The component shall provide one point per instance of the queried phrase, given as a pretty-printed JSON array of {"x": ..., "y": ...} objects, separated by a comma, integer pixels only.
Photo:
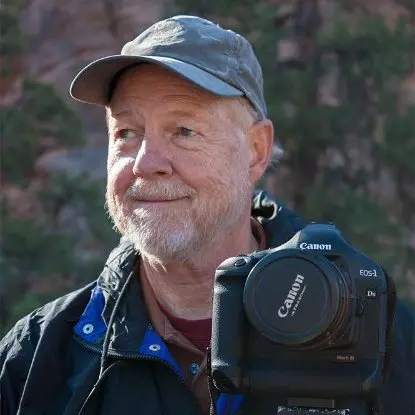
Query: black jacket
[{"x": 50, "y": 361}]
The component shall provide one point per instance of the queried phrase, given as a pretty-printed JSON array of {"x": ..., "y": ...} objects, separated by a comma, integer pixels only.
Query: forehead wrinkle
[
  {"x": 173, "y": 104},
  {"x": 193, "y": 96},
  {"x": 183, "y": 104},
  {"x": 118, "y": 104}
]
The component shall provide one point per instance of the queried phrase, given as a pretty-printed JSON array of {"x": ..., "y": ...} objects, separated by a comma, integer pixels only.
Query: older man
[{"x": 188, "y": 139}]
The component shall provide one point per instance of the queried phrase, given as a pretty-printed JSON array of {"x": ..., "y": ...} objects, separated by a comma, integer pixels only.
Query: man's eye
[
  {"x": 185, "y": 132},
  {"x": 126, "y": 134}
]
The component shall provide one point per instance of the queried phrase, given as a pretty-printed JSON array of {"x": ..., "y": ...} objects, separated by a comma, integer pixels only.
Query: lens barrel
[{"x": 298, "y": 299}]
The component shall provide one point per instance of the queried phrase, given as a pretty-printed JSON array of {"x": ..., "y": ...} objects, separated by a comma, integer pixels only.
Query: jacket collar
[{"x": 131, "y": 323}]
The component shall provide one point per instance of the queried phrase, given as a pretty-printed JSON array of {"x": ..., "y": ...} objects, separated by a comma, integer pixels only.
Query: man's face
[{"x": 178, "y": 163}]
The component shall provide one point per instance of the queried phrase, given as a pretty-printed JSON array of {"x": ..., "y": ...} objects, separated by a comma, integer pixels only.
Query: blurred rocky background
[{"x": 340, "y": 85}]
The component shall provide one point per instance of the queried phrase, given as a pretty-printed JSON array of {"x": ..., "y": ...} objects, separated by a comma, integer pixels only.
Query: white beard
[
  {"x": 177, "y": 236},
  {"x": 154, "y": 234}
]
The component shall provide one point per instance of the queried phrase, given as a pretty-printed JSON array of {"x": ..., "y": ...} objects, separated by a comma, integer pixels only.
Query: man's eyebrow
[{"x": 121, "y": 111}]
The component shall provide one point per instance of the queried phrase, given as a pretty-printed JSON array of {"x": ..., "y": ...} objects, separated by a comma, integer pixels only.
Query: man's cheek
[{"x": 120, "y": 174}]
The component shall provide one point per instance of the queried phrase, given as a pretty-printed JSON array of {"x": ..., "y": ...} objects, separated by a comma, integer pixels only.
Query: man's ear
[{"x": 261, "y": 140}]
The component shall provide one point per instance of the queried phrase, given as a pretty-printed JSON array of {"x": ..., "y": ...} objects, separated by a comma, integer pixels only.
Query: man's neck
[{"x": 185, "y": 289}]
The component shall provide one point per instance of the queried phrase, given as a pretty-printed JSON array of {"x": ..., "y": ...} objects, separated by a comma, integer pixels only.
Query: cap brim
[{"x": 92, "y": 83}]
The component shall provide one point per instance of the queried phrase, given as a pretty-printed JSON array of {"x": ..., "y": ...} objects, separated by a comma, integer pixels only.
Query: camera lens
[{"x": 298, "y": 299}]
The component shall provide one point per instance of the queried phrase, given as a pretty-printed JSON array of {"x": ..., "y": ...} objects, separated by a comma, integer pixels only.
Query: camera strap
[
  {"x": 213, "y": 392},
  {"x": 377, "y": 408},
  {"x": 390, "y": 333}
]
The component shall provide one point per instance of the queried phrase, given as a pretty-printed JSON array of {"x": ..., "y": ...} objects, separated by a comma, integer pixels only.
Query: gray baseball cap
[{"x": 218, "y": 60}]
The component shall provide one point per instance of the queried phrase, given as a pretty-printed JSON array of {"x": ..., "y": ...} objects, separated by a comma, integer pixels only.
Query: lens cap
[{"x": 291, "y": 297}]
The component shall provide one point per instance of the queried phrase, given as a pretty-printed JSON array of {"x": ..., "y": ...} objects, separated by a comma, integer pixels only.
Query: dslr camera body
[{"x": 301, "y": 328}]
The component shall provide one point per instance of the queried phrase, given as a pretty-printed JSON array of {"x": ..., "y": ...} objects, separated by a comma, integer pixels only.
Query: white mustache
[{"x": 141, "y": 189}]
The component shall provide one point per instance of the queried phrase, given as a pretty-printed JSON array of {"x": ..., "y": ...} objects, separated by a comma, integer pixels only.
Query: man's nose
[{"x": 152, "y": 160}]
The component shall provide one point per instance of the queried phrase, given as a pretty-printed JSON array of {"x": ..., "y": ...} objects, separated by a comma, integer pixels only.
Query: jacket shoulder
[
  {"x": 280, "y": 224},
  {"x": 18, "y": 347}
]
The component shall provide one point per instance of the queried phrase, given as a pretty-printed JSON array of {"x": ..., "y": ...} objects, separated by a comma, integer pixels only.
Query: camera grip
[{"x": 228, "y": 323}]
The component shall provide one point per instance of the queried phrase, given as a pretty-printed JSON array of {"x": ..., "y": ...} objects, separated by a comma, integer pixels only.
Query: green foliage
[
  {"x": 17, "y": 139},
  {"x": 27, "y": 252},
  {"x": 50, "y": 115},
  {"x": 40, "y": 115},
  {"x": 381, "y": 52},
  {"x": 12, "y": 40},
  {"x": 86, "y": 197},
  {"x": 28, "y": 248},
  {"x": 398, "y": 145}
]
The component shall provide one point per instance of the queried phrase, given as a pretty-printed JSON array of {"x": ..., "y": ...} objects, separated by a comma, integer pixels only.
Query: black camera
[{"x": 301, "y": 328}]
